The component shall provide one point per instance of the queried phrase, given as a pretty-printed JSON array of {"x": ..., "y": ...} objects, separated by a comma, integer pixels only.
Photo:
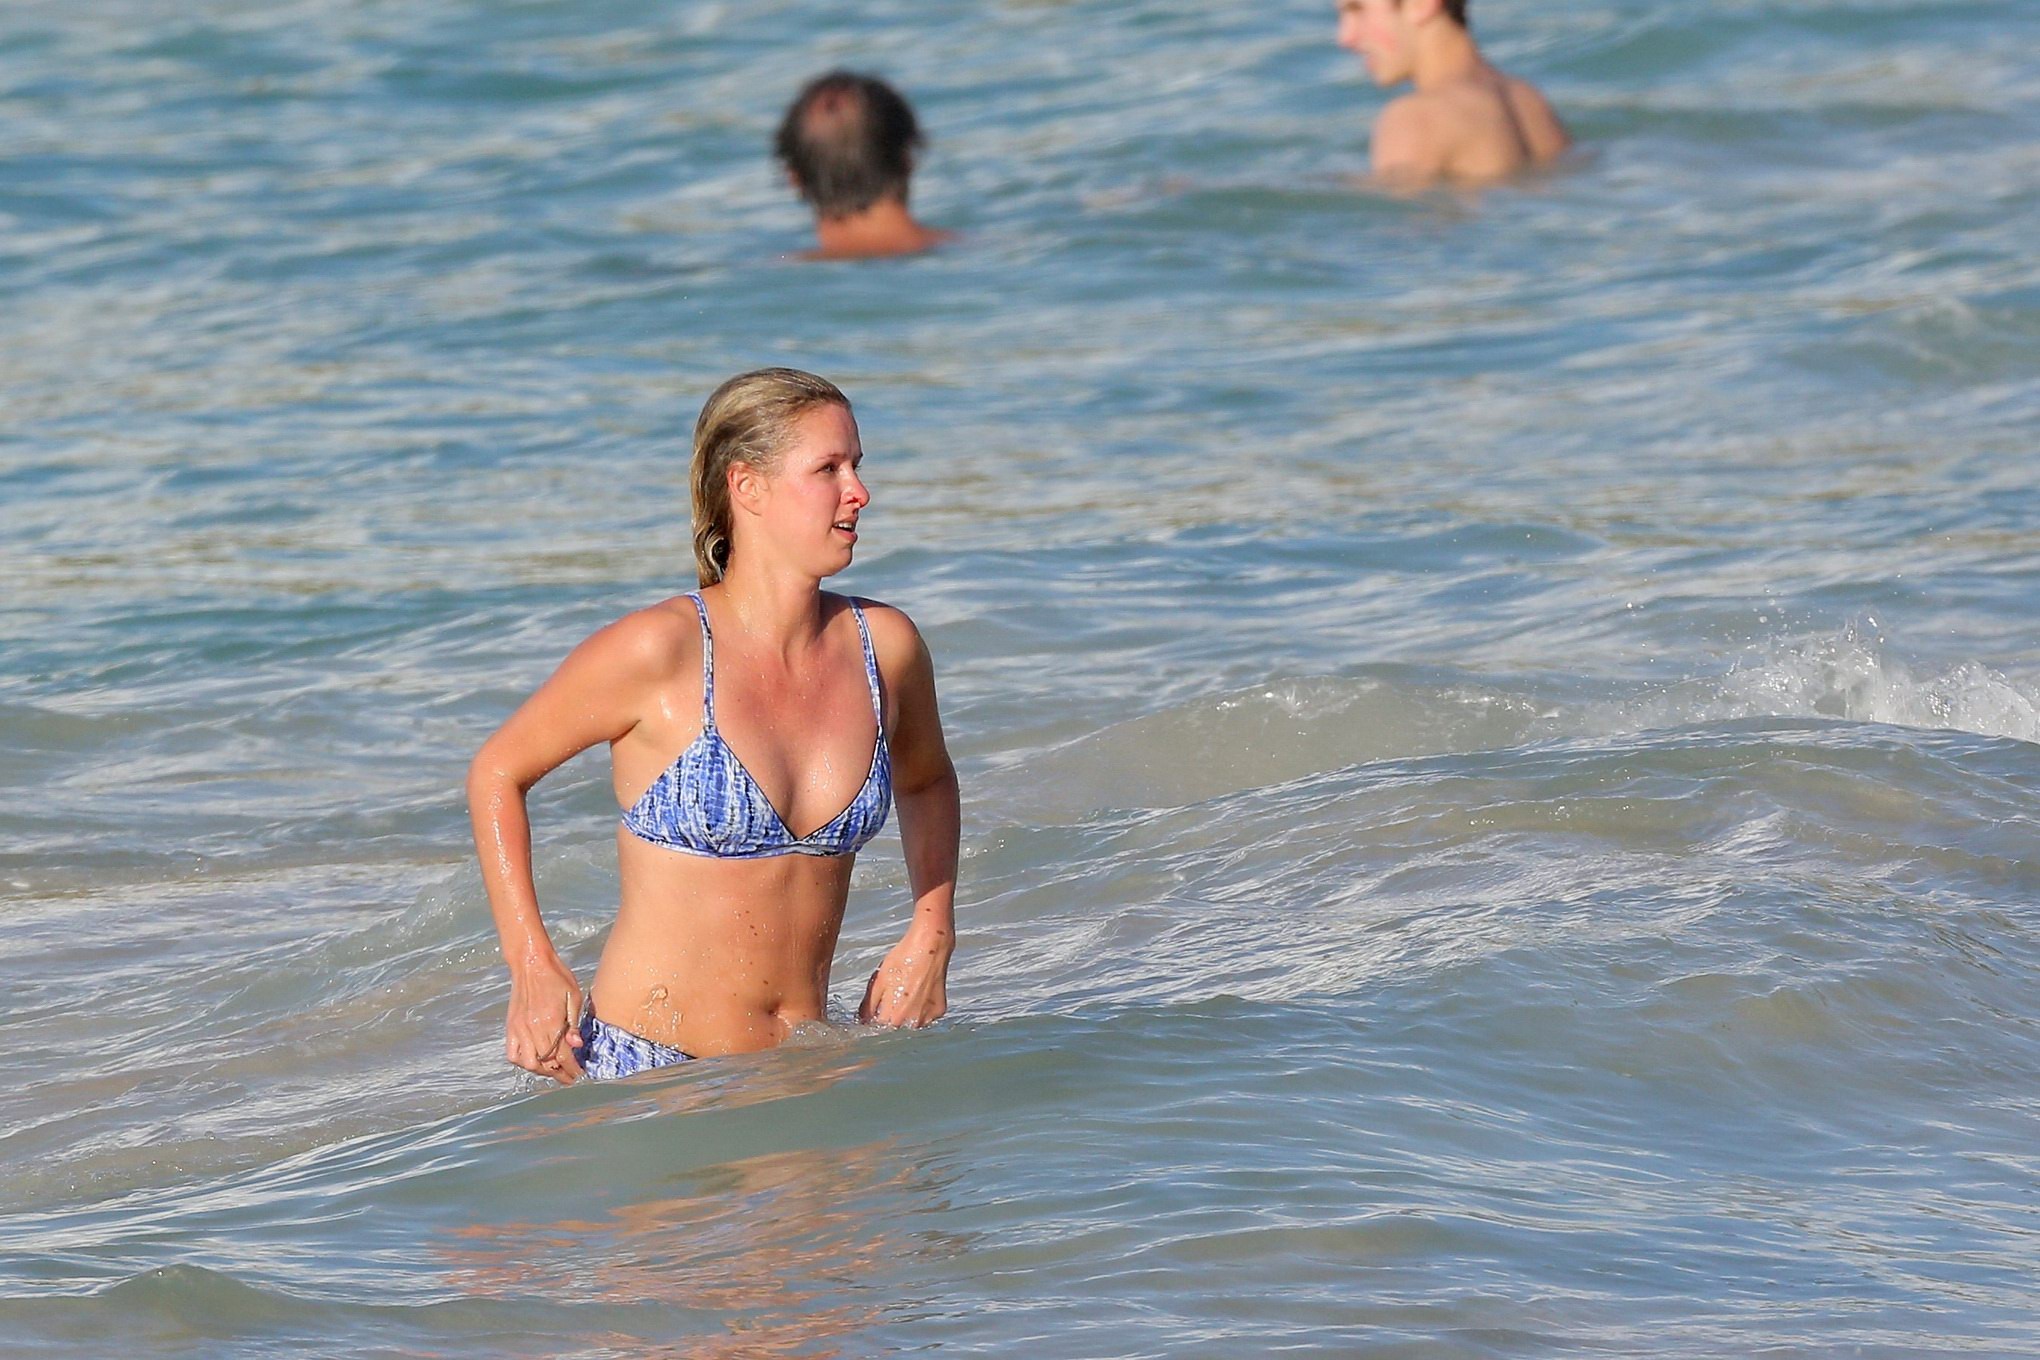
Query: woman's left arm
[{"x": 911, "y": 986}]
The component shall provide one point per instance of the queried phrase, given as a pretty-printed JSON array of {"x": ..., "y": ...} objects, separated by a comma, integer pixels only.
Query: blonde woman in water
[{"x": 758, "y": 729}]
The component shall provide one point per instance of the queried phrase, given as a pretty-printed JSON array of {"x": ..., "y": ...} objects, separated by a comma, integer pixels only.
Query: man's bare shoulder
[
  {"x": 1540, "y": 123},
  {"x": 1415, "y": 113},
  {"x": 1412, "y": 134}
]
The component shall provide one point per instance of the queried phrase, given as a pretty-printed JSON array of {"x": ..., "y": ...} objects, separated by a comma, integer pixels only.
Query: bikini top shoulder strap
[
  {"x": 707, "y": 662},
  {"x": 870, "y": 662}
]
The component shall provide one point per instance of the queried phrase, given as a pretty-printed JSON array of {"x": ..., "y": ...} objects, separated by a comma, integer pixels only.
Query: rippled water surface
[{"x": 1501, "y": 735}]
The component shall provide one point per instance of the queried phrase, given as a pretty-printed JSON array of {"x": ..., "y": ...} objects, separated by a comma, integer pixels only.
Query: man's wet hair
[
  {"x": 1455, "y": 10},
  {"x": 849, "y": 142}
]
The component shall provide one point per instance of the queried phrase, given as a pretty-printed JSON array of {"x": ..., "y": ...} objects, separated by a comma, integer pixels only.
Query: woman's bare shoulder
[
  {"x": 654, "y": 641},
  {"x": 894, "y": 637}
]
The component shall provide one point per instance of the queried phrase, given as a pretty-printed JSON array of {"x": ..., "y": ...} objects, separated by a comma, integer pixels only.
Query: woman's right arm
[{"x": 598, "y": 694}]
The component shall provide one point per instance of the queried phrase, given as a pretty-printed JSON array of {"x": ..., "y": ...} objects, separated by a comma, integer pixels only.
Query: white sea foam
[{"x": 1854, "y": 676}]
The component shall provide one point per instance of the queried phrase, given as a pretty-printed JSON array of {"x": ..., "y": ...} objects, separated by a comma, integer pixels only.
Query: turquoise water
[{"x": 1501, "y": 736}]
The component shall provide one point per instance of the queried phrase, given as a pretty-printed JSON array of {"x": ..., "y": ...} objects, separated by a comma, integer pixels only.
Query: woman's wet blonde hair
[{"x": 749, "y": 419}]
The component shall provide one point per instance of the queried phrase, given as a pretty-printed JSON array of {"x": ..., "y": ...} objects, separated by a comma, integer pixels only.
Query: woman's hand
[
  {"x": 911, "y": 987},
  {"x": 541, "y": 1032}
]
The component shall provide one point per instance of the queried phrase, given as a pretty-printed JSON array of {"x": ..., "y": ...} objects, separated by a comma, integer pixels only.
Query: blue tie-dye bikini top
[{"x": 706, "y": 803}]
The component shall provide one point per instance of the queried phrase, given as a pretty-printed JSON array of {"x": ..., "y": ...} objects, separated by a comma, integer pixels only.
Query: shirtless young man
[{"x": 1466, "y": 122}]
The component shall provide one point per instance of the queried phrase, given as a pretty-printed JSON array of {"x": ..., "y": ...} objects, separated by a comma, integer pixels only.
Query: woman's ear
[{"x": 747, "y": 487}]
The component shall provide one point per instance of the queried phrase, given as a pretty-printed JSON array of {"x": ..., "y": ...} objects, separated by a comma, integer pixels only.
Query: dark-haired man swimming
[
  {"x": 1465, "y": 122},
  {"x": 848, "y": 142}
]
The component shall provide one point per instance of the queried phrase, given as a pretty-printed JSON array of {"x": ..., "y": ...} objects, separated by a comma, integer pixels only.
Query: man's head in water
[
  {"x": 1383, "y": 33},
  {"x": 848, "y": 143}
]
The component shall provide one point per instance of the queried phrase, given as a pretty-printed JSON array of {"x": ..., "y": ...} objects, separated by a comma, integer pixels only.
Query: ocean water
[{"x": 1501, "y": 733}]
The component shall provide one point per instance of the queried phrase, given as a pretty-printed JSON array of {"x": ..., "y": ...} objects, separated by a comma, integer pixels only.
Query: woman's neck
[{"x": 779, "y": 610}]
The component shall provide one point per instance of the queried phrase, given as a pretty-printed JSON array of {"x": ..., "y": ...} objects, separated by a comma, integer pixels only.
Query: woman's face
[{"x": 808, "y": 505}]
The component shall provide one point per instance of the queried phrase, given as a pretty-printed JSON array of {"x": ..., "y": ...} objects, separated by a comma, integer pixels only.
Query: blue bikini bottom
[{"x": 608, "y": 1052}]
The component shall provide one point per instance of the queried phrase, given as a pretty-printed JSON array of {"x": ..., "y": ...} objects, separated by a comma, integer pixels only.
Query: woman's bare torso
[{"x": 718, "y": 956}]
